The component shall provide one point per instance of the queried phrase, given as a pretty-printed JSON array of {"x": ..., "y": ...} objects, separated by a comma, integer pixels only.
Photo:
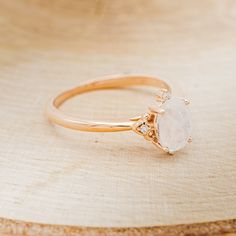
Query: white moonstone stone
[{"x": 174, "y": 125}]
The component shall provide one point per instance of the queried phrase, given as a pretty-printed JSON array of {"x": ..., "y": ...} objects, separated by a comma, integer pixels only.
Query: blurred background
[
  {"x": 179, "y": 30},
  {"x": 61, "y": 177}
]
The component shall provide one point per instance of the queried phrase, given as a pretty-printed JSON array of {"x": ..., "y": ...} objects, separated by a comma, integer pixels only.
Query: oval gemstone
[{"x": 173, "y": 125}]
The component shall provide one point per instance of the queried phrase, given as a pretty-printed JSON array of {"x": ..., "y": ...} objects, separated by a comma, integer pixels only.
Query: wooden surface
[
  {"x": 55, "y": 176},
  {"x": 19, "y": 228}
]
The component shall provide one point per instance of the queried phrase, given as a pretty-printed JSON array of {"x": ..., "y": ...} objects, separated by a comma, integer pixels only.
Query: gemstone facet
[
  {"x": 144, "y": 128},
  {"x": 173, "y": 127}
]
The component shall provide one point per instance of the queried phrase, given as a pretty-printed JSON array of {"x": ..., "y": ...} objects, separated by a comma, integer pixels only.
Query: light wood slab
[{"x": 55, "y": 176}]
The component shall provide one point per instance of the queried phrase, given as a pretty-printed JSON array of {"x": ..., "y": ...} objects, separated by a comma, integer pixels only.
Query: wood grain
[
  {"x": 55, "y": 176},
  {"x": 19, "y": 228}
]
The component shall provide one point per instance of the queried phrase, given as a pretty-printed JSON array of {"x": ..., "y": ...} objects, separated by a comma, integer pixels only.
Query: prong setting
[
  {"x": 162, "y": 125},
  {"x": 162, "y": 95},
  {"x": 186, "y": 101},
  {"x": 157, "y": 110},
  {"x": 160, "y": 111},
  {"x": 171, "y": 152}
]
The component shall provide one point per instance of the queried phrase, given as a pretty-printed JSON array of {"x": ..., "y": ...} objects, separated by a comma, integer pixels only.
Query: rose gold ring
[{"x": 167, "y": 125}]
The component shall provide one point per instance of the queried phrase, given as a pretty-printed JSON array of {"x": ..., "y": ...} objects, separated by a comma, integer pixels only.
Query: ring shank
[{"x": 56, "y": 116}]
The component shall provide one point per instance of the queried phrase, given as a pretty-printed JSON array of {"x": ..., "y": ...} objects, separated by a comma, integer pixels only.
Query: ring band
[{"x": 147, "y": 124}]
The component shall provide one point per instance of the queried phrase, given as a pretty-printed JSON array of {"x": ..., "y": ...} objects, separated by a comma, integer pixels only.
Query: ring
[{"x": 166, "y": 125}]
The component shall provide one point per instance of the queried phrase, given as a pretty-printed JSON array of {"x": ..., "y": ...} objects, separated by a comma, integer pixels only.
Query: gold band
[{"x": 56, "y": 116}]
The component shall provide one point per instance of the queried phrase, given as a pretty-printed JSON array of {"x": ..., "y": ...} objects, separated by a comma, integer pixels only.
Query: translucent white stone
[
  {"x": 144, "y": 129},
  {"x": 174, "y": 125}
]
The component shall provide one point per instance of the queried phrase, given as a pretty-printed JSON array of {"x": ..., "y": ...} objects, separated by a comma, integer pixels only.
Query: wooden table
[{"x": 72, "y": 182}]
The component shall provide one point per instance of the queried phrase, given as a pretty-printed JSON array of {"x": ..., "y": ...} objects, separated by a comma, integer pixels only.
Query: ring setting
[{"x": 166, "y": 124}]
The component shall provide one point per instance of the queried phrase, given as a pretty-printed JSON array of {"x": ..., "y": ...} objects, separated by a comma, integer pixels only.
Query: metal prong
[
  {"x": 190, "y": 140},
  {"x": 165, "y": 149},
  {"x": 162, "y": 95},
  {"x": 157, "y": 110},
  {"x": 160, "y": 111},
  {"x": 168, "y": 151},
  {"x": 171, "y": 153},
  {"x": 186, "y": 101}
]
